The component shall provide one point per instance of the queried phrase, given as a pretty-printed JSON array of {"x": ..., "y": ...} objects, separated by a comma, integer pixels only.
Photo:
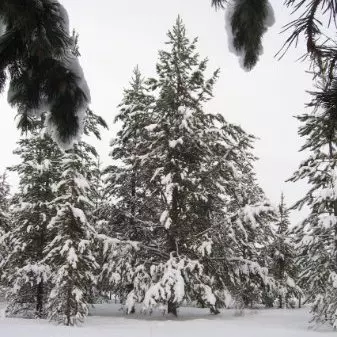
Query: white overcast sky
[{"x": 117, "y": 35}]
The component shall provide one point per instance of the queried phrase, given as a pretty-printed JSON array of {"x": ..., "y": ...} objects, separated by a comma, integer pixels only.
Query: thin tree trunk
[
  {"x": 40, "y": 286},
  {"x": 214, "y": 310},
  {"x": 172, "y": 308},
  {"x": 280, "y": 301},
  {"x": 39, "y": 300}
]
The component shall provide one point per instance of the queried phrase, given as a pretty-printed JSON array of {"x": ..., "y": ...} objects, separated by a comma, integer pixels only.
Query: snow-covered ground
[{"x": 107, "y": 321}]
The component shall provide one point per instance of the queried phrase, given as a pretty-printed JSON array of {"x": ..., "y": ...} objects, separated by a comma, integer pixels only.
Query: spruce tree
[
  {"x": 191, "y": 167},
  {"x": 126, "y": 182},
  {"x": 178, "y": 156},
  {"x": 284, "y": 267},
  {"x": 70, "y": 254},
  {"x": 241, "y": 230},
  {"x": 25, "y": 270},
  {"x": 134, "y": 215},
  {"x": 316, "y": 235}
]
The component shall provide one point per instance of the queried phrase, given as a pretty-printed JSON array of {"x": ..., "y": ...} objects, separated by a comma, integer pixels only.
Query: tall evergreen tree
[
  {"x": 25, "y": 270},
  {"x": 190, "y": 164},
  {"x": 177, "y": 159},
  {"x": 316, "y": 235},
  {"x": 134, "y": 216},
  {"x": 70, "y": 254},
  {"x": 126, "y": 183},
  {"x": 241, "y": 229}
]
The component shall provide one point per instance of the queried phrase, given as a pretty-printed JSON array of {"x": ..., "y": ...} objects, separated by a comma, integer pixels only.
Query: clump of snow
[
  {"x": 175, "y": 142},
  {"x": 150, "y": 127},
  {"x": 206, "y": 247},
  {"x": 165, "y": 220},
  {"x": 81, "y": 182},
  {"x": 78, "y": 214}
]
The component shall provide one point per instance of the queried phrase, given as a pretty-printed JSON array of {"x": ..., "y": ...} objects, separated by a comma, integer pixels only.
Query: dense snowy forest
[{"x": 177, "y": 217}]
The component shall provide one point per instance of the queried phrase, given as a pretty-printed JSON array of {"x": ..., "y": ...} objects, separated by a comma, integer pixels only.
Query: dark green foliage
[
  {"x": 36, "y": 50},
  {"x": 248, "y": 21},
  {"x": 249, "y": 41}
]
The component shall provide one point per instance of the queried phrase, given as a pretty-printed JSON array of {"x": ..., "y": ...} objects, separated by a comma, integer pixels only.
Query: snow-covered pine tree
[
  {"x": 25, "y": 271},
  {"x": 178, "y": 158},
  {"x": 284, "y": 267},
  {"x": 126, "y": 182},
  {"x": 37, "y": 52},
  {"x": 196, "y": 165},
  {"x": 134, "y": 213},
  {"x": 159, "y": 129},
  {"x": 240, "y": 230},
  {"x": 315, "y": 236},
  {"x": 253, "y": 218},
  {"x": 70, "y": 253}
]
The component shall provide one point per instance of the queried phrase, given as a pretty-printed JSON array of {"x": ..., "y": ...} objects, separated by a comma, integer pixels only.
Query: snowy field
[{"x": 107, "y": 321}]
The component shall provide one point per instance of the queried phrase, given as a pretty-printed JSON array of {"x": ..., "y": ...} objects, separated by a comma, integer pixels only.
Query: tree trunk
[
  {"x": 172, "y": 232},
  {"x": 39, "y": 300},
  {"x": 214, "y": 310},
  {"x": 172, "y": 308},
  {"x": 280, "y": 302},
  {"x": 40, "y": 286}
]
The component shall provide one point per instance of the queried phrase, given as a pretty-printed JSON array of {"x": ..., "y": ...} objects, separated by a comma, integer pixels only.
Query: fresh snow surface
[{"x": 106, "y": 320}]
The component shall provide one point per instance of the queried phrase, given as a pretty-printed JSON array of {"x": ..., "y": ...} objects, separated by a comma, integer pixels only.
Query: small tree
[
  {"x": 70, "y": 254},
  {"x": 284, "y": 267}
]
